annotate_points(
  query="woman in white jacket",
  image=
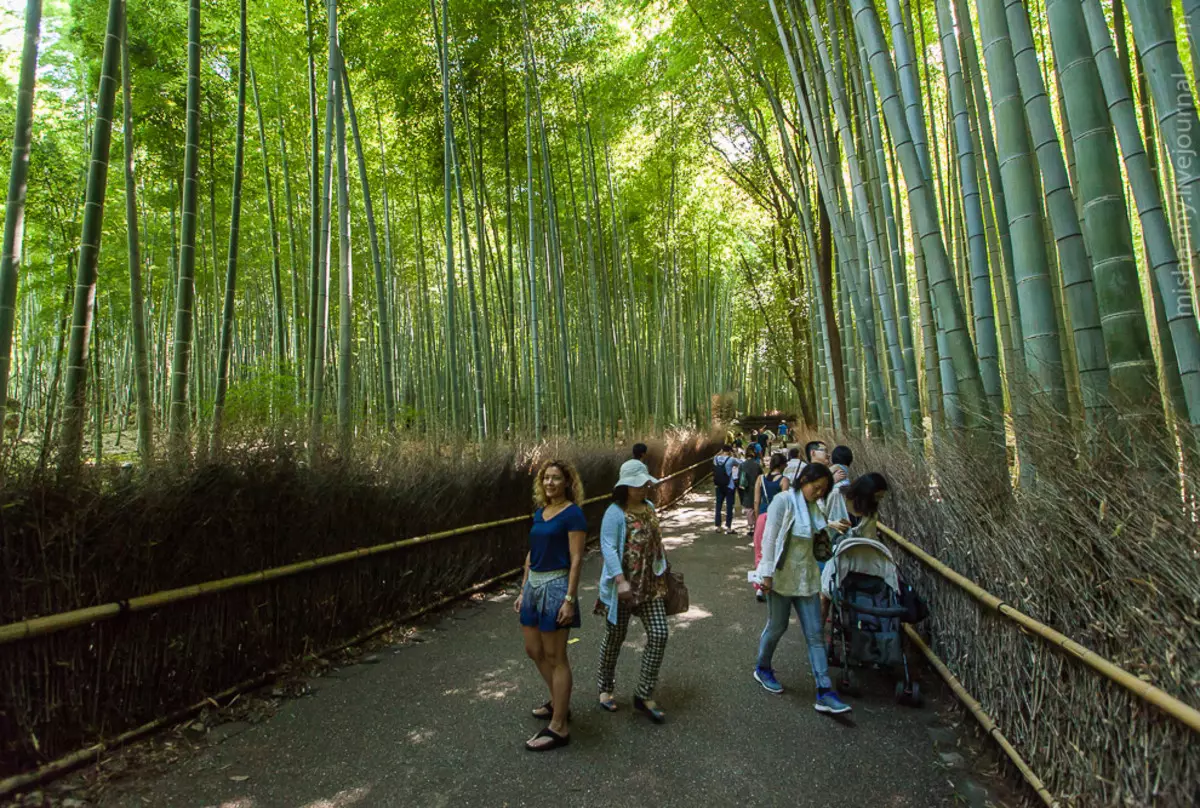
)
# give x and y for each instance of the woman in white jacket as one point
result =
(788, 573)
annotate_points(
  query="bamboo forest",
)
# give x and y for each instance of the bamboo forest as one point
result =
(569, 218)
(288, 279)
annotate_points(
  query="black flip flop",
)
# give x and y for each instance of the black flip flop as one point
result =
(653, 713)
(555, 742)
(537, 713)
(610, 705)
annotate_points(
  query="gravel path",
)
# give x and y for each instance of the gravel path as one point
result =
(442, 721)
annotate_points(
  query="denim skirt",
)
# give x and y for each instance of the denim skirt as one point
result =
(540, 604)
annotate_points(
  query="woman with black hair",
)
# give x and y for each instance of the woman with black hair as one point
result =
(633, 582)
(794, 536)
(863, 497)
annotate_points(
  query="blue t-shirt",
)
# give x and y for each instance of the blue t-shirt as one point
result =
(549, 545)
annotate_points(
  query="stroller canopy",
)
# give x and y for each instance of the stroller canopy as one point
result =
(866, 556)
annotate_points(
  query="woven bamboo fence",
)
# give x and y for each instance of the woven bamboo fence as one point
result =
(66, 550)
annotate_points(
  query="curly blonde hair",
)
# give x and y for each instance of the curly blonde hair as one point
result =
(574, 484)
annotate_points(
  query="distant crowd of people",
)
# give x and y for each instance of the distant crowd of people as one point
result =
(796, 510)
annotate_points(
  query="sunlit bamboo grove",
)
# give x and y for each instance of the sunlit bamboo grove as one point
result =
(592, 218)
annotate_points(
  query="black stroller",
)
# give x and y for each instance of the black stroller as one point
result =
(868, 604)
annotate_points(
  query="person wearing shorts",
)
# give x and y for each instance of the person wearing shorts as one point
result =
(547, 604)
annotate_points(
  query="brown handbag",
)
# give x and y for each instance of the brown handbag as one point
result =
(677, 593)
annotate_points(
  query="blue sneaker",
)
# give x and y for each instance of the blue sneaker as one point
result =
(766, 678)
(828, 702)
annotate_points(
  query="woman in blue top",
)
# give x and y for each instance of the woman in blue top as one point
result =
(547, 602)
(632, 583)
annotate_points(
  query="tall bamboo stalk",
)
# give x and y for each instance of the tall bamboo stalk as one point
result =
(381, 294)
(137, 306)
(75, 391)
(235, 224)
(185, 296)
(14, 208)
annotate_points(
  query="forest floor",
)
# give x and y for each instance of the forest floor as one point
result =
(438, 714)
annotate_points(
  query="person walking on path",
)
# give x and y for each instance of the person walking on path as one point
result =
(789, 575)
(768, 487)
(764, 442)
(547, 603)
(834, 505)
(633, 582)
(725, 467)
(748, 477)
(794, 464)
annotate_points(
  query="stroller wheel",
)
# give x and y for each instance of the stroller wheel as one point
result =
(910, 696)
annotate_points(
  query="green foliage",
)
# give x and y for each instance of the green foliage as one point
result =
(262, 397)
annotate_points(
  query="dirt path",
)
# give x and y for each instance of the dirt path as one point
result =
(442, 721)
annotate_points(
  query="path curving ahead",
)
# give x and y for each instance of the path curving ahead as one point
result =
(442, 722)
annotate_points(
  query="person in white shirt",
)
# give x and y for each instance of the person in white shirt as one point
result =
(789, 575)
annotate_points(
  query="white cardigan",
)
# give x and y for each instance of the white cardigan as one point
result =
(781, 514)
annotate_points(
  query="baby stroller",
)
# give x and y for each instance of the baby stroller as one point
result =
(868, 604)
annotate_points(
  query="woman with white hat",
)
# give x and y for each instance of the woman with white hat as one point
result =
(633, 582)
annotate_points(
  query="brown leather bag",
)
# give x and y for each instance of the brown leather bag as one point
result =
(677, 593)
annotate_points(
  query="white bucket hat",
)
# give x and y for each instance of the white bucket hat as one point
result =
(635, 474)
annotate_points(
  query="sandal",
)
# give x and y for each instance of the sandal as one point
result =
(609, 704)
(556, 741)
(546, 711)
(653, 713)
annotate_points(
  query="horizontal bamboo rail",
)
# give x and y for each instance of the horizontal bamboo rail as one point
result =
(81, 757)
(985, 720)
(1170, 705)
(53, 623)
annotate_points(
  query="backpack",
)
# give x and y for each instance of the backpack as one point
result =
(721, 472)
(745, 482)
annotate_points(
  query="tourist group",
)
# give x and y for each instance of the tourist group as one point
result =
(797, 510)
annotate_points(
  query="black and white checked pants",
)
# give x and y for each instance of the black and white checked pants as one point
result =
(654, 617)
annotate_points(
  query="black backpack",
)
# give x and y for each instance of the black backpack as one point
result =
(721, 473)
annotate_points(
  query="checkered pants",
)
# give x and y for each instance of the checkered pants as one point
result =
(654, 617)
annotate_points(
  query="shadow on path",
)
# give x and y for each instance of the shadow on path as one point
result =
(442, 722)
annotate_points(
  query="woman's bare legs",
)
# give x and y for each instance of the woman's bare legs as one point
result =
(556, 670)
